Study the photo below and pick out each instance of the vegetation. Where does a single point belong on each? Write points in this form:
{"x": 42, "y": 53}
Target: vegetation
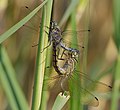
{"x": 20, "y": 88}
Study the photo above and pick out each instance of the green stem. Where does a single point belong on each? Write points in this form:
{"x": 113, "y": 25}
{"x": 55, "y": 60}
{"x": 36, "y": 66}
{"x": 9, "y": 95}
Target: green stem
{"x": 75, "y": 93}
{"x": 116, "y": 86}
{"x": 11, "y": 86}
{"x": 40, "y": 64}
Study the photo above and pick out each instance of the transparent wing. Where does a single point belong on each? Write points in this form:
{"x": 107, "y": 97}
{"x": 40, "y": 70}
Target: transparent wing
{"x": 30, "y": 30}
{"x": 69, "y": 35}
{"x": 34, "y": 26}
{"x": 52, "y": 82}
{"x": 87, "y": 97}
{"x": 87, "y": 91}
{"x": 89, "y": 87}
{"x": 93, "y": 85}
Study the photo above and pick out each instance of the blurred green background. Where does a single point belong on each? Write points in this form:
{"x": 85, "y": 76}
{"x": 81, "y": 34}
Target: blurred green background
{"x": 102, "y": 51}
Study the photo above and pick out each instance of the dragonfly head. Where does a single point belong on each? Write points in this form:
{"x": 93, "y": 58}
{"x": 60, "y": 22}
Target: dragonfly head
{"x": 54, "y": 26}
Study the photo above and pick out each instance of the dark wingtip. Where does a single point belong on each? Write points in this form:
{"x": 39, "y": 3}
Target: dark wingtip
{"x": 33, "y": 46}
{"x": 89, "y": 30}
{"x": 26, "y": 6}
{"x": 96, "y": 98}
{"x": 110, "y": 87}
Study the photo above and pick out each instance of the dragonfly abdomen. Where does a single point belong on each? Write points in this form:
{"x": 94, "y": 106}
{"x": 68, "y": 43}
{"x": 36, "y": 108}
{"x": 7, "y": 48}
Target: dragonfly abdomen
{"x": 55, "y": 59}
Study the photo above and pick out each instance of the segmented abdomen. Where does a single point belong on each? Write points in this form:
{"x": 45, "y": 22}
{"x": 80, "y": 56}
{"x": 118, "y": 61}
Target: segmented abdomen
{"x": 55, "y": 59}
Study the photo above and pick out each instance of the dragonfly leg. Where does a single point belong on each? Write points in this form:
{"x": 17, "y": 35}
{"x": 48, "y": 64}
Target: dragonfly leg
{"x": 46, "y": 32}
{"x": 76, "y": 60}
{"x": 61, "y": 55}
{"x": 35, "y": 45}
{"x": 46, "y": 47}
{"x": 47, "y": 27}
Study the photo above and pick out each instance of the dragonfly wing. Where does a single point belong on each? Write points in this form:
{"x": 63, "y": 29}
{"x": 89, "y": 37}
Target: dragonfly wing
{"x": 80, "y": 35}
{"x": 87, "y": 97}
{"x": 52, "y": 83}
{"x": 58, "y": 81}
{"x": 93, "y": 85}
{"x": 89, "y": 100}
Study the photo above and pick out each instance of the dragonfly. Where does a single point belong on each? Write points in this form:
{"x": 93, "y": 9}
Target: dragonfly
{"x": 69, "y": 74}
{"x": 55, "y": 34}
{"x": 55, "y": 38}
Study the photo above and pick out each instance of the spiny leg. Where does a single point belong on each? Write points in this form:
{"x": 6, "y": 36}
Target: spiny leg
{"x": 61, "y": 55}
{"x": 46, "y": 47}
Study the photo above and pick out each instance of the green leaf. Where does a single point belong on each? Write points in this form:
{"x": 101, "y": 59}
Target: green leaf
{"x": 116, "y": 85}
{"x": 40, "y": 67}
{"x": 13, "y": 29}
{"x": 60, "y": 101}
{"x": 11, "y": 87}
{"x": 117, "y": 22}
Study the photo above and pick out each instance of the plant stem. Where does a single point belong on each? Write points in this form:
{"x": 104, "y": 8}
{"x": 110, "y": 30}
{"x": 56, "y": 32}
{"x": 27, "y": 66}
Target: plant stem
{"x": 40, "y": 64}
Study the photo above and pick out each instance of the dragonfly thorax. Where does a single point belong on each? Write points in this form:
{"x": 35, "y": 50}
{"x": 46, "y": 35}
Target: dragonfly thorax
{"x": 54, "y": 26}
{"x": 56, "y": 36}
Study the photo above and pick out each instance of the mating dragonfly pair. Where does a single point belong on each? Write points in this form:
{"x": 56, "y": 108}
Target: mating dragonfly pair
{"x": 67, "y": 71}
